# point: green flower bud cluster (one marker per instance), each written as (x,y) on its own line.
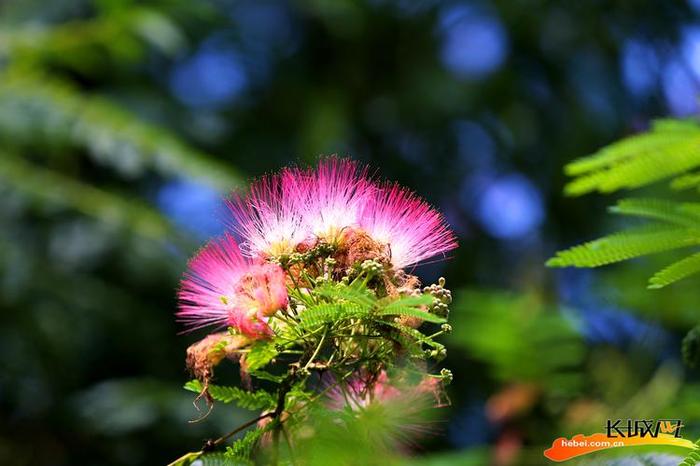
(371,267)
(442,298)
(295,258)
(327,275)
(321,279)
(322,249)
(437,353)
(330,263)
(447,376)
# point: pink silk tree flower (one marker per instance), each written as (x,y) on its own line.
(268,217)
(401,404)
(335,193)
(222,287)
(410,228)
(362,389)
(259,294)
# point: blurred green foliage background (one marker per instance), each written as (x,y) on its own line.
(123,123)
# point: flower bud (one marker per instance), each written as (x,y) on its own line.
(371,267)
(259,293)
(446,375)
(207,353)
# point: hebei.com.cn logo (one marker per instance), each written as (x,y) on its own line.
(620,433)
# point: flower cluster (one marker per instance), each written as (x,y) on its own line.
(222,287)
(336,205)
(311,289)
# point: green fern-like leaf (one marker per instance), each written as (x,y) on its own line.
(264,375)
(218,459)
(682,214)
(693,457)
(626,245)
(351,293)
(688,181)
(257,400)
(110,208)
(243,448)
(330,312)
(260,355)
(412,347)
(677,271)
(415,334)
(110,133)
(409,306)
(410,301)
(627,147)
(412,340)
(411,312)
(137,26)
(671,148)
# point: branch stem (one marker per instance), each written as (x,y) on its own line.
(318,348)
(211,444)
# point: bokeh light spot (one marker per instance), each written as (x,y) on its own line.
(193,206)
(474,43)
(510,207)
(211,78)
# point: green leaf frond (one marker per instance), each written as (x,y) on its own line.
(411,312)
(410,301)
(410,306)
(416,335)
(670,148)
(260,355)
(111,134)
(325,313)
(121,36)
(217,459)
(242,449)
(693,457)
(353,293)
(677,271)
(688,181)
(257,400)
(685,214)
(627,245)
(110,208)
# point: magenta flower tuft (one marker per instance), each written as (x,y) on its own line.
(222,287)
(334,195)
(259,293)
(361,389)
(268,217)
(297,206)
(411,229)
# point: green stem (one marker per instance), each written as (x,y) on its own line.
(289,445)
(318,348)
(188,456)
(211,444)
